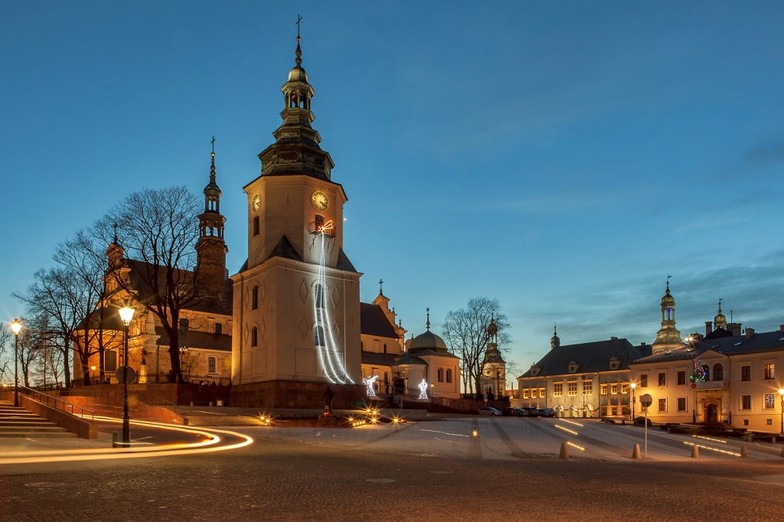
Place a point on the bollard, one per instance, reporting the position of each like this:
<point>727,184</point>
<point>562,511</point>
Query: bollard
<point>744,452</point>
<point>695,452</point>
<point>564,451</point>
<point>636,452</point>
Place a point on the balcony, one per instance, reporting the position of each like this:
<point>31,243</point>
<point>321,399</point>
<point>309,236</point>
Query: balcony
<point>711,385</point>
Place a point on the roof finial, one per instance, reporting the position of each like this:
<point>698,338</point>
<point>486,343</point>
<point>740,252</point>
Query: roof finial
<point>668,282</point>
<point>428,319</point>
<point>212,167</point>
<point>720,304</point>
<point>555,329</point>
<point>299,51</point>
<point>380,287</point>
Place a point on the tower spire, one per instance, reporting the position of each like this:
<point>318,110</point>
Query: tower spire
<point>428,319</point>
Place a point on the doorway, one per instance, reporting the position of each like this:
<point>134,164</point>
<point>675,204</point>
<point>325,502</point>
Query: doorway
<point>712,413</point>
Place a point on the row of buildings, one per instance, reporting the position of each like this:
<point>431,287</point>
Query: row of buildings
<point>725,376</point>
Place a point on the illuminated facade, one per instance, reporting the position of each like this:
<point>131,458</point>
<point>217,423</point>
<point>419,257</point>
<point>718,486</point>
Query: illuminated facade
<point>493,380</point>
<point>296,299</point>
<point>204,325</point>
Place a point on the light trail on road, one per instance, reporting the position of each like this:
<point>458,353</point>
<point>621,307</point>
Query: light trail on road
<point>209,445</point>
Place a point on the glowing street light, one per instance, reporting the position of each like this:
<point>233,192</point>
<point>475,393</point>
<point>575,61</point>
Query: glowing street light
<point>126,314</point>
<point>16,327</point>
<point>633,385</point>
<point>781,393</point>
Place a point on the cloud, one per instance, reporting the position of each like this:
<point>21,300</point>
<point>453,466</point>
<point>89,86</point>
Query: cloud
<point>764,154</point>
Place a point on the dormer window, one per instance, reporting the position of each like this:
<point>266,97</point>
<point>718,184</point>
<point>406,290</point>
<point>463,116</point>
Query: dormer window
<point>535,370</point>
<point>615,363</point>
<point>573,367</point>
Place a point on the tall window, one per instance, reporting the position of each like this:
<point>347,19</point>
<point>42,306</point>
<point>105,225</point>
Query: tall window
<point>254,298</point>
<point>662,404</point>
<point>745,402</point>
<point>718,372</point>
<point>440,374</point>
<point>256,226</point>
<point>603,389</point>
<point>624,388</point>
<point>572,388</point>
<point>212,365</point>
<point>745,373</point>
<point>681,403</point>
<point>448,375</point>
<point>218,329</point>
<point>319,338</point>
<point>644,380</point>
<point>319,296</point>
<point>770,401</point>
<point>662,379</point>
<point>681,378</point>
<point>558,389</point>
<point>769,371</point>
<point>614,389</point>
<point>254,336</point>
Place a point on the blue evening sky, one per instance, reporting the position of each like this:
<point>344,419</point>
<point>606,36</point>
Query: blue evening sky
<point>562,157</point>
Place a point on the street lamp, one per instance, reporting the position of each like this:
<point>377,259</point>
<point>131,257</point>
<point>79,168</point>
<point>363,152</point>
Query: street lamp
<point>781,392</point>
<point>633,386</point>
<point>16,327</point>
<point>126,314</point>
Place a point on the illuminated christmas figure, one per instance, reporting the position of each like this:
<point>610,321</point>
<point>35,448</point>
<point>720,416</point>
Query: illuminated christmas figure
<point>423,390</point>
<point>370,382</point>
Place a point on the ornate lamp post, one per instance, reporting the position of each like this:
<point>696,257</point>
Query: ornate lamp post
<point>16,327</point>
<point>126,314</point>
<point>633,385</point>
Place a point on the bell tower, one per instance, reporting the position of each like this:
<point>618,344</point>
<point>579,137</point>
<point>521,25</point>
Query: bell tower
<point>668,337</point>
<point>296,300</point>
<point>211,248</point>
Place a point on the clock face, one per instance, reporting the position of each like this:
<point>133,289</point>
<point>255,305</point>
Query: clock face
<point>256,203</point>
<point>319,200</point>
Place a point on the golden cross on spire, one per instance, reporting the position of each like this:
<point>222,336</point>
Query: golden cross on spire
<point>297,23</point>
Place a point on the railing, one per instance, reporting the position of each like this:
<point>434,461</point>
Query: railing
<point>58,404</point>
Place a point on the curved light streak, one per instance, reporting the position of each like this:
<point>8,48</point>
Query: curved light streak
<point>209,445</point>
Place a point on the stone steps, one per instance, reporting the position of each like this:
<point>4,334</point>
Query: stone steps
<point>19,422</point>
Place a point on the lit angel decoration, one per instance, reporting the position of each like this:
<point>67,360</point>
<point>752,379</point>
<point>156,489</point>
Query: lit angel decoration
<point>423,390</point>
<point>370,382</point>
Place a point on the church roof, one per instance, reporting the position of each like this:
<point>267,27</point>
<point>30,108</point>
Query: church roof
<point>197,340</point>
<point>285,249</point>
<point>427,341</point>
<point>373,321</point>
<point>379,359</point>
<point>589,357</point>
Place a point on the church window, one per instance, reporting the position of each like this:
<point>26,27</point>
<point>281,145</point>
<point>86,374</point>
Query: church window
<point>212,365</point>
<point>558,389</point>
<point>385,349</point>
<point>572,388</point>
<point>662,404</point>
<point>319,336</point>
<point>769,371</point>
<point>440,373</point>
<point>449,375</point>
<point>254,336</point>
<point>718,372</point>
<point>587,387</point>
<point>256,226</point>
<point>745,373</point>
<point>319,296</point>
<point>644,380</point>
<point>745,402</point>
<point>254,298</point>
<point>681,378</point>
<point>681,403</point>
<point>662,379</point>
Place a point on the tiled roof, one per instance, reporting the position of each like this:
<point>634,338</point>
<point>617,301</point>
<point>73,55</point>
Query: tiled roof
<point>588,357</point>
<point>378,359</point>
<point>735,345</point>
<point>373,321</point>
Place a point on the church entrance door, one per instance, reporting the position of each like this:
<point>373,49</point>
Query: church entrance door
<point>712,413</point>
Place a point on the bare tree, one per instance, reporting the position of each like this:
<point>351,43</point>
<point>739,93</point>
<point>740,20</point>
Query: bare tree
<point>465,331</point>
<point>6,348</point>
<point>158,230</point>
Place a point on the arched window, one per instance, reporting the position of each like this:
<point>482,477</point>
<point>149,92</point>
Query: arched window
<point>254,336</point>
<point>448,375</point>
<point>254,298</point>
<point>718,372</point>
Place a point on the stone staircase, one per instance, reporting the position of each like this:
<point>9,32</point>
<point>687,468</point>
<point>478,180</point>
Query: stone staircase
<point>19,422</point>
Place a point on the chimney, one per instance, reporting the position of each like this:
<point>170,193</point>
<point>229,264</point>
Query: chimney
<point>734,328</point>
<point>708,328</point>
<point>749,332</point>
<point>781,328</point>
<point>613,338</point>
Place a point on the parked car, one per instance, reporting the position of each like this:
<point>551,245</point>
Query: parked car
<point>531,411</point>
<point>516,412</point>
<point>489,410</point>
<point>546,412</point>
